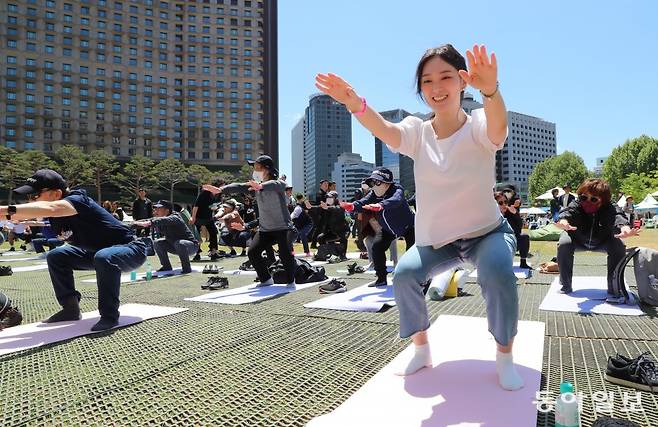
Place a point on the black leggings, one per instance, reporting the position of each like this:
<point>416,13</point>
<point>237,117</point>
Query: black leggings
<point>263,240</point>
<point>523,244</point>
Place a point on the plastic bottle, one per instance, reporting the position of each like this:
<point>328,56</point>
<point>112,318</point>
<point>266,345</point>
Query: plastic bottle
<point>149,271</point>
<point>566,407</point>
<point>133,276</point>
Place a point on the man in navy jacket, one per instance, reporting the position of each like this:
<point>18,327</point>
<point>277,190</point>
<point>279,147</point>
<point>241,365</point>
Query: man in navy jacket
<point>393,214</point>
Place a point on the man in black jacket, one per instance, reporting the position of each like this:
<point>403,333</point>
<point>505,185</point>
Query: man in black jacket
<point>176,237</point>
<point>566,199</point>
<point>555,204</point>
<point>142,209</point>
<point>592,223</point>
<point>334,227</point>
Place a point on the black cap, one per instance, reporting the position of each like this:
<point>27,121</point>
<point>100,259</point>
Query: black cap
<point>164,204</point>
<point>267,163</point>
<point>380,174</point>
<point>41,180</point>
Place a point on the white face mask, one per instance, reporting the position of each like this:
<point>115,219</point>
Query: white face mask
<point>330,201</point>
<point>257,176</point>
<point>380,189</point>
<point>364,187</point>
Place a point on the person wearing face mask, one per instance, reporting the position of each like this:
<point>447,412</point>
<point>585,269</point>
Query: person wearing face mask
<point>393,214</point>
<point>592,223</point>
<point>274,223</point>
<point>510,211</point>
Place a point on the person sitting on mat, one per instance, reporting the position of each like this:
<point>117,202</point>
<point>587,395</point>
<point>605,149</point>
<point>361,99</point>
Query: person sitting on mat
<point>274,222</point>
<point>334,227</point>
<point>454,164</point>
<point>510,207</point>
<point>393,214</point>
<point>97,241</point>
<point>175,236</point>
<point>592,223</point>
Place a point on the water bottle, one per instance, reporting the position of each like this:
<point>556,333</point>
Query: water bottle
<point>149,271</point>
<point>133,276</point>
<point>566,407</point>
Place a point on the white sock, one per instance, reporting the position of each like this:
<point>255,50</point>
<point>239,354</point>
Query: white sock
<point>508,377</point>
<point>422,357</point>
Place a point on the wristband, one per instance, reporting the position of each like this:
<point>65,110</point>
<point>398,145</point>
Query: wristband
<point>364,105</point>
<point>492,94</point>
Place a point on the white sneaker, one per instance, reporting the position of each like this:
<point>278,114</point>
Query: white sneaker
<point>268,282</point>
<point>292,285</point>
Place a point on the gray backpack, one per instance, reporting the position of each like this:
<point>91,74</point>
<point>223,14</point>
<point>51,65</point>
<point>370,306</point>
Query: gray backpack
<point>645,266</point>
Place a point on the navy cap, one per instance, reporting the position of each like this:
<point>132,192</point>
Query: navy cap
<point>380,174</point>
<point>267,163</point>
<point>41,180</point>
<point>164,204</point>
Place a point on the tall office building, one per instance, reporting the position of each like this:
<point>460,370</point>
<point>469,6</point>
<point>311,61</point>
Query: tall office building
<point>297,136</point>
<point>349,170</point>
<point>530,141</point>
<point>329,134</point>
<point>191,80</point>
<point>598,168</point>
<point>401,165</point>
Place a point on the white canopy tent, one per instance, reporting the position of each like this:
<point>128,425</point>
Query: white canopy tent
<point>655,194</point>
<point>622,201</point>
<point>533,211</point>
<point>548,195</point>
<point>649,203</point>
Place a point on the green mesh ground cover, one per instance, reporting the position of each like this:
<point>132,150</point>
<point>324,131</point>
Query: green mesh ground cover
<point>270,363</point>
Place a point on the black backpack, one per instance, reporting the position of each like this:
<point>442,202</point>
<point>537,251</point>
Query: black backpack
<point>645,267</point>
<point>325,250</point>
<point>304,272</point>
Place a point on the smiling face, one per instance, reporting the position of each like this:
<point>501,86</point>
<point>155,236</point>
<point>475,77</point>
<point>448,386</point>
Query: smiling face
<point>441,85</point>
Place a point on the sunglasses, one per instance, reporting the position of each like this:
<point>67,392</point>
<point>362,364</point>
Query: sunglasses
<point>501,202</point>
<point>584,198</point>
<point>376,182</point>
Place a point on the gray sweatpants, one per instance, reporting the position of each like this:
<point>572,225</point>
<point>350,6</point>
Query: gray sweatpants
<point>183,248</point>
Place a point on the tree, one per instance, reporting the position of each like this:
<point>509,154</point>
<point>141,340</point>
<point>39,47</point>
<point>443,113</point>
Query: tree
<point>36,160</point>
<point>136,174</point>
<point>198,174</point>
<point>15,170</point>
<point>102,166</point>
<point>74,166</point>
<point>245,174</point>
<point>637,155</point>
<point>639,185</point>
<point>566,168</point>
<point>170,172</point>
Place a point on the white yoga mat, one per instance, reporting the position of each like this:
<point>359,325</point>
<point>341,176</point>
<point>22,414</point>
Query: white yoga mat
<point>520,273</point>
<point>250,293</point>
<point>240,272</point>
<point>125,278</point>
<point>33,335</point>
<point>10,259</point>
<point>461,389</point>
<point>362,298</point>
<point>36,267</point>
<point>588,296</point>
<point>353,255</point>
<point>16,253</point>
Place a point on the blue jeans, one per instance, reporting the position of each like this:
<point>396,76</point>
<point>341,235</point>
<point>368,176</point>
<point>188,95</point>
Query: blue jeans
<point>492,254</point>
<point>51,243</point>
<point>303,235</point>
<point>108,263</point>
<point>183,248</point>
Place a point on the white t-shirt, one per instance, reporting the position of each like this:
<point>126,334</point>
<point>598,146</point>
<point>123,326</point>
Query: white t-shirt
<point>455,177</point>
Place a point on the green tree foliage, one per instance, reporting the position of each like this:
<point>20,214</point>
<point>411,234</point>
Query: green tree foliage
<point>639,185</point>
<point>566,168</point>
<point>102,166</point>
<point>37,160</point>
<point>637,155</point>
<point>74,166</point>
<point>198,175</point>
<point>170,172</point>
<point>15,170</point>
<point>137,173</point>
<point>245,174</point>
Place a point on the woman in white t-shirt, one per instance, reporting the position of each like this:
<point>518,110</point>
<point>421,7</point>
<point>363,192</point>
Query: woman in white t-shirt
<point>454,161</point>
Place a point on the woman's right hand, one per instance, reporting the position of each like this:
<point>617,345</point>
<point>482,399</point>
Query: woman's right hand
<point>338,89</point>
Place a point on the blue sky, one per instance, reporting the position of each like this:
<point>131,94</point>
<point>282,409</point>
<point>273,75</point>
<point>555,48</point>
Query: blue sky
<point>591,67</point>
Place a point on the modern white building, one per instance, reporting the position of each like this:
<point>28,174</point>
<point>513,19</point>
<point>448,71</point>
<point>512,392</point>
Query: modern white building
<point>349,170</point>
<point>598,168</point>
<point>469,103</point>
<point>297,136</point>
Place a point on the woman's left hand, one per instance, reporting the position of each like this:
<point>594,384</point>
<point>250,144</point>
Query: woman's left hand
<point>483,71</point>
<point>628,232</point>
<point>254,185</point>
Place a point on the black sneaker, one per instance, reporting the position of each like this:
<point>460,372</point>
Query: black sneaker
<point>214,283</point>
<point>333,287</point>
<point>351,268</point>
<point>233,253</point>
<point>197,257</point>
<point>640,373</point>
<point>614,422</point>
<point>11,317</point>
<point>12,249</point>
<point>206,269</point>
<point>23,247</point>
<point>378,283</point>
<point>565,290</point>
<point>5,270</point>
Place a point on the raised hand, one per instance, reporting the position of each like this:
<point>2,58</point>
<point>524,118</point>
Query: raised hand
<point>349,207</point>
<point>483,71</point>
<point>338,89</point>
<point>564,225</point>
<point>211,188</point>
<point>254,185</point>
<point>375,207</point>
<point>628,232</point>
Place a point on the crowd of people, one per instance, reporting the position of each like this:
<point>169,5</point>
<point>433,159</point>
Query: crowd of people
<point>452,150</point>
